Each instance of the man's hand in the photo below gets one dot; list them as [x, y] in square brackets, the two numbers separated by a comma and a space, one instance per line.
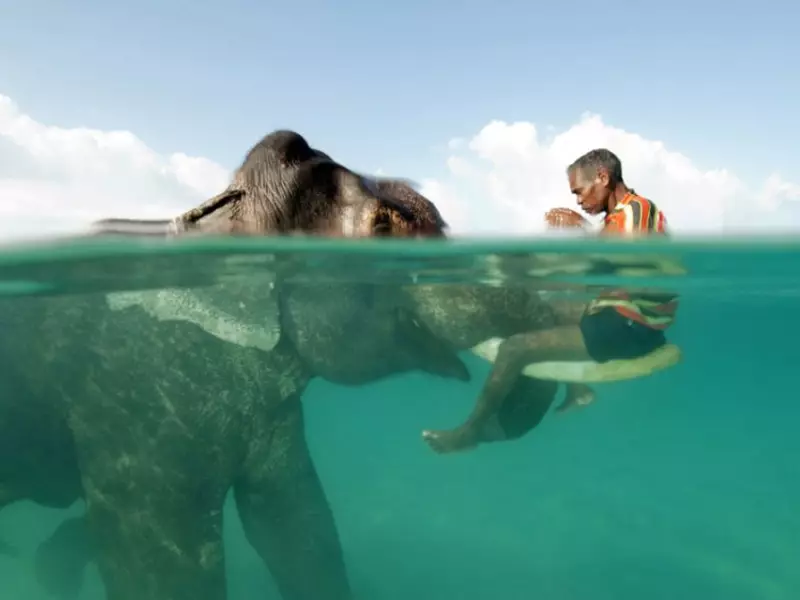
[565, 218]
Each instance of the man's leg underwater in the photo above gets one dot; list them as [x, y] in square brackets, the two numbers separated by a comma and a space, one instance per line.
[514, 354]
[570, 312]
[522, 410]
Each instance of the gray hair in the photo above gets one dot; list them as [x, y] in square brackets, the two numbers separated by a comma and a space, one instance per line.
[591, 162]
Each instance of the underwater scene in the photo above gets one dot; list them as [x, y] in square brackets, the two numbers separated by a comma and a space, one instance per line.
[247, 415]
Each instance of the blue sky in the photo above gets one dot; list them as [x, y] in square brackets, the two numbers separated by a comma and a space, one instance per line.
[400, 79]
[698, 101]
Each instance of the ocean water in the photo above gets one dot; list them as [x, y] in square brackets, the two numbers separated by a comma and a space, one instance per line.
[683, 484]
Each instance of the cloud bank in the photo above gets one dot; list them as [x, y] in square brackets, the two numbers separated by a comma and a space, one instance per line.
[56, 180]
[499, 181]
[504, 178]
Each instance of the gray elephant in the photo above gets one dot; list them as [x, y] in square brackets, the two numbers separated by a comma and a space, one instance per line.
[165, 419]
[153, 420]
[145, 404]
[285, 186]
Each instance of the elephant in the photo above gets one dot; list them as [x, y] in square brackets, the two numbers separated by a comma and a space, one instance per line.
[141, 406]
[138, 415]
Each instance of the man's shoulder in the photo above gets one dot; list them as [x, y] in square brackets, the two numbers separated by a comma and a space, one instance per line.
[636, 200]
[638, 213]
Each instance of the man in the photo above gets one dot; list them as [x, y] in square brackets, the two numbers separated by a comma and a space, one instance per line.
[596, 180]
[616, 325]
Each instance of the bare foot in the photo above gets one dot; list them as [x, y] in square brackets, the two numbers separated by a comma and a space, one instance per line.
[446, 442]
[578, 395]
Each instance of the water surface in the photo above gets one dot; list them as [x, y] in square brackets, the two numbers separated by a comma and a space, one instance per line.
[683, 484]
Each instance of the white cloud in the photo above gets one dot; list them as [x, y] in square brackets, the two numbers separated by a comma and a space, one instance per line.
[55, 180]
[500, 181]
[506, 177]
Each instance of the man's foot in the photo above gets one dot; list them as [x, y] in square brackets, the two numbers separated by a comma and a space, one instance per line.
[578, 395]
[453, 440]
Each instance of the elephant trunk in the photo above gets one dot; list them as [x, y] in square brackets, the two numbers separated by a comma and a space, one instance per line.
[134, 227]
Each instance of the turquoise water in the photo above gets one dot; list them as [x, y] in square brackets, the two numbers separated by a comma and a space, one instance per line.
[682, 484]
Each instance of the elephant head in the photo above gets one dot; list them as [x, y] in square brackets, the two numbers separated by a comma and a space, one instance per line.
[284, 186]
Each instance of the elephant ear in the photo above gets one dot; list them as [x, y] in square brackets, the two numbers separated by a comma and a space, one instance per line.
[214, 216]
[243, 312]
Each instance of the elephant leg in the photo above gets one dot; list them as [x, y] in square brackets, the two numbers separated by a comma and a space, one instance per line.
[154, 502]
[61, 560]
[7, 496]
[285, 514]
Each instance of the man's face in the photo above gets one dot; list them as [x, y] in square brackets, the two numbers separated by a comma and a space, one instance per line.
[591, 194]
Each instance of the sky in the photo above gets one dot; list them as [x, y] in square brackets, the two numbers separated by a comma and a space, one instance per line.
[143, 109]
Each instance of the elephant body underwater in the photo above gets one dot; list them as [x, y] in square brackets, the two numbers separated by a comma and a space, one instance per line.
[162, 419]
[152, 420]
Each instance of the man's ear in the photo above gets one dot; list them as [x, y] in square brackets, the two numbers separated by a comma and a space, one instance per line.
[602, 177]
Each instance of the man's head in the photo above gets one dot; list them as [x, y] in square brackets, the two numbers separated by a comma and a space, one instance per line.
[593, 178]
